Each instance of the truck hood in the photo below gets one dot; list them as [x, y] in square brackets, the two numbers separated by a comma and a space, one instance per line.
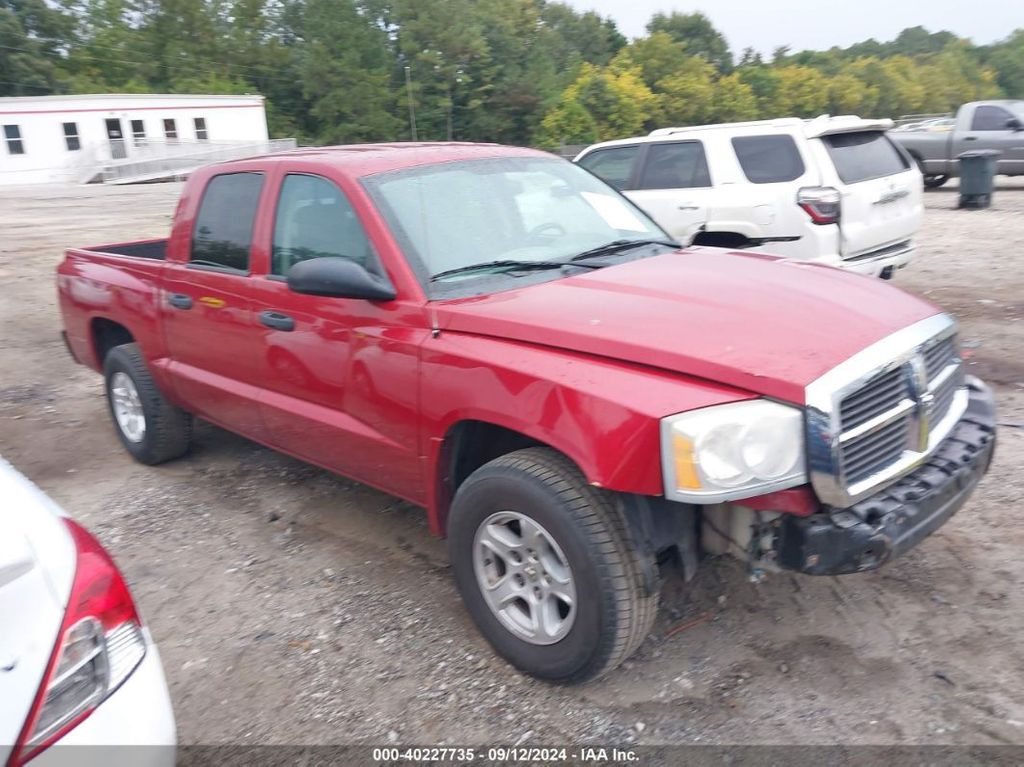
[757, 322]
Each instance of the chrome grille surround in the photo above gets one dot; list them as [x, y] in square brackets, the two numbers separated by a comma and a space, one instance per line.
[881, 413]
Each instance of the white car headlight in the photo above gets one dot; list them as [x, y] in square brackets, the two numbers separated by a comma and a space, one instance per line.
[732, 451]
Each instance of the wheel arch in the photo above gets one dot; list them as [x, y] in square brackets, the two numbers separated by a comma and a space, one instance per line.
[468, 444]
[723, 239]
[104, 335]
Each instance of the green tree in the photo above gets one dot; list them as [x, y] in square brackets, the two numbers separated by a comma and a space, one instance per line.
[764, 83]
[802, 92]
[614, 97]
[344, 69]
[443, 43]
[658, 55]
[849, 95]
[583, 36]
[517, 79]
[1007, 60]
[733, 100]
[686, 97]
[696, 31]
[568, 123]
[32, 33]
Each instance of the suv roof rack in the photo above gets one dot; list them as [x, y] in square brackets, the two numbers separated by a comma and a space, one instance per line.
[778, 122]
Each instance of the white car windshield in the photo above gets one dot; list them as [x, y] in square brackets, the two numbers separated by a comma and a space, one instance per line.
[452, 217]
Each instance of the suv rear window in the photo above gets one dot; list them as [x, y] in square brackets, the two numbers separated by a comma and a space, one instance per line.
[864, 155]
[614, 166]
[679, 165]
[768, 159]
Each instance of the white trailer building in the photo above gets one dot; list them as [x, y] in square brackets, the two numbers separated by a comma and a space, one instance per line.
[125, 137]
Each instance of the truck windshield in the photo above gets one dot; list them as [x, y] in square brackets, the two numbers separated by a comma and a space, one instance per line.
[530, 210]
[864, 155]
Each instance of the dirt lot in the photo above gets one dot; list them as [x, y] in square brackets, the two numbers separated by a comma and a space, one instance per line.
[292, 606]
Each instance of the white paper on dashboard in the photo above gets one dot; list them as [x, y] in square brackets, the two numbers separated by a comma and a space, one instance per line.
[615, 212]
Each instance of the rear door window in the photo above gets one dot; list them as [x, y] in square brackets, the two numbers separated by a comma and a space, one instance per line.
[614, 166]
[679, 165]
[768, 159]
[864, 155]
[223, 229]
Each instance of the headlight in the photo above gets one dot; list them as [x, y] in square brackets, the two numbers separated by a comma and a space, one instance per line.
[732, 451]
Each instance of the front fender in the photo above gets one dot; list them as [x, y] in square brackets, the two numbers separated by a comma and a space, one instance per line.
[601, 413]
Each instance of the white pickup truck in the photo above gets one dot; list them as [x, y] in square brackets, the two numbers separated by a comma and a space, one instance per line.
[834, 190]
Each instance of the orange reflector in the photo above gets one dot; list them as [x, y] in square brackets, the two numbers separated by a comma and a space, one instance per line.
[686, 469]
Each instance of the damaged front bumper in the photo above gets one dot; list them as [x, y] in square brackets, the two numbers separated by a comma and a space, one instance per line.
[885, 525]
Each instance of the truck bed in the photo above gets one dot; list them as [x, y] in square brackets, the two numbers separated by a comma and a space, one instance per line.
[152, 249]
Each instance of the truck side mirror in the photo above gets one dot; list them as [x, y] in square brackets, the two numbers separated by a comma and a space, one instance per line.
[338, 278]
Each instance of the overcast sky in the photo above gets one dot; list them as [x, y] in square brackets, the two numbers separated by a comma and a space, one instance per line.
[765, 24]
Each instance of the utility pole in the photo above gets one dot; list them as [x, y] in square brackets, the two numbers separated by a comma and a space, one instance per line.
[412, 107]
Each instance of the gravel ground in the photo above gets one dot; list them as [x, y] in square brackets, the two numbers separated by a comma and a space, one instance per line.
[291, 605]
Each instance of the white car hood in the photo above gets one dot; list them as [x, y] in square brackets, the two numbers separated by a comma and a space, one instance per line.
[37, 565]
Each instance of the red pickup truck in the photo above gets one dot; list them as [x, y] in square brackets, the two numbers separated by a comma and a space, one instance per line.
[500, 337]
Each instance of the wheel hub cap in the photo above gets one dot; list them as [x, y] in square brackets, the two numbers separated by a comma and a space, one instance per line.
[127, 406]
[524, 577]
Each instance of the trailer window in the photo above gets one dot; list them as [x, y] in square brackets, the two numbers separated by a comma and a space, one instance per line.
[864, 155]
[768, 159]
[223, 229]
[71, 137]
[12, 135]
[138, 132]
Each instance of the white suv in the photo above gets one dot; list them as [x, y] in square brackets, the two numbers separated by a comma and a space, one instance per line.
[834, 189]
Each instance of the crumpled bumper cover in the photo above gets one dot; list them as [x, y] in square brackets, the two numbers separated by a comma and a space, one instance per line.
[885, 525]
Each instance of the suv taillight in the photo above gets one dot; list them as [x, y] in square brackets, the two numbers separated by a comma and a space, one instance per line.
[821, 203]
[99, 645]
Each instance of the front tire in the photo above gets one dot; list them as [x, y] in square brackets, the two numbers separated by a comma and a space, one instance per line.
[150, 428]
[547, 568]
[934, 181]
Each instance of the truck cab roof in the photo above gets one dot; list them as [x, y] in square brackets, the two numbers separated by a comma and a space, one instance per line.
[368, 159]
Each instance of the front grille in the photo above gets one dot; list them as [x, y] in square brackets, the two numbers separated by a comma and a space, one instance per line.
[944, 392]
[865, 456]
[881, 393]
[879, 420]
[938, 356]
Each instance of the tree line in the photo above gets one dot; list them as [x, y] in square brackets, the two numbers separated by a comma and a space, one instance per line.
[514, 71]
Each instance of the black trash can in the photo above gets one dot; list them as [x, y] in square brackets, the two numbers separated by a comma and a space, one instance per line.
[977, 177]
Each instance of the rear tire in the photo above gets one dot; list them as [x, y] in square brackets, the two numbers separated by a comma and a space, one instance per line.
[585, 538]
[150, 428]
[932, 181]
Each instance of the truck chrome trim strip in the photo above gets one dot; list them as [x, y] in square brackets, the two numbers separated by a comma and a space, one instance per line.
[906, 349]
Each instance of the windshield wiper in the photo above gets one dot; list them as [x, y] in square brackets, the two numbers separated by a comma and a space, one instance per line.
[616, 246]
[507, 265]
